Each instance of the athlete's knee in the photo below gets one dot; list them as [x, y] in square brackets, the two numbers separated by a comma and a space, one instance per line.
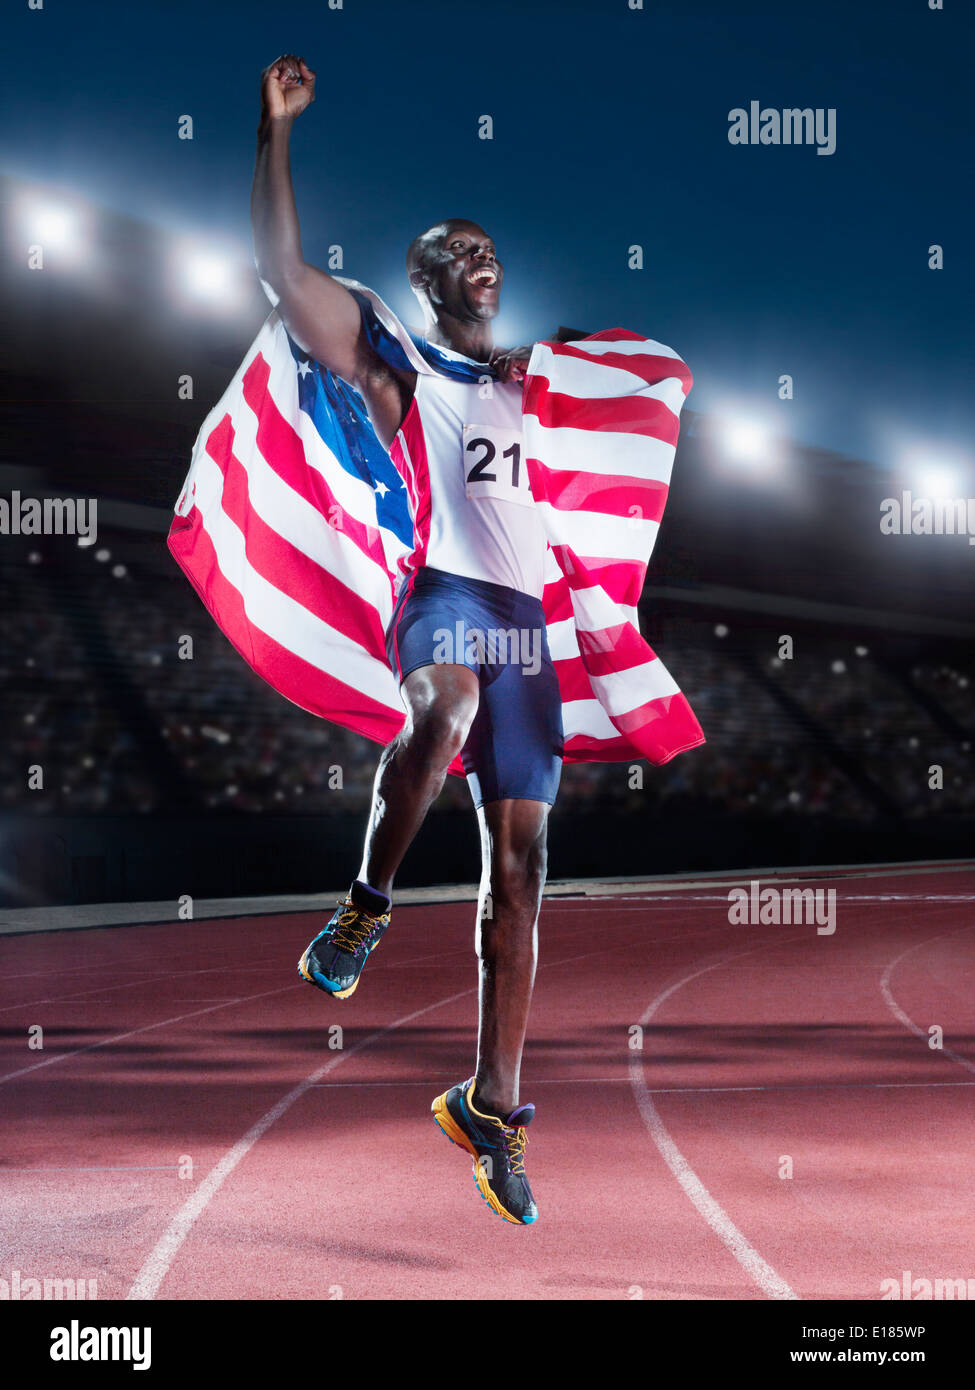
[518, 871]
[439, 730]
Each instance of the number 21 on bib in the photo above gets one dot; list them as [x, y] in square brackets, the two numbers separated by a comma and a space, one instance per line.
[494, 466]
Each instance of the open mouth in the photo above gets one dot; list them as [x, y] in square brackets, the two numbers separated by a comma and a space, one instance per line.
[483, 278]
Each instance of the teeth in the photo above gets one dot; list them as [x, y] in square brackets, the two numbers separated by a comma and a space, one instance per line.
[480, 277]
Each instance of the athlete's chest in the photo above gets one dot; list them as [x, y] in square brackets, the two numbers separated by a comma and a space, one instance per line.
[454, 404]
[473, 439]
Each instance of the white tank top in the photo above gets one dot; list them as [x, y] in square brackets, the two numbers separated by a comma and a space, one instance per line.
[459, 451]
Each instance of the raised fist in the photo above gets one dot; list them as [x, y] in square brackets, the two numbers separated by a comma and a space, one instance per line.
[287, 87]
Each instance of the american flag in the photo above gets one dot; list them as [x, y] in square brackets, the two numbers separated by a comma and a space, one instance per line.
[293, 524]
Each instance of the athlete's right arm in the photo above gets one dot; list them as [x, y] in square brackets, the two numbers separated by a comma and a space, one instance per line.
[319, 313]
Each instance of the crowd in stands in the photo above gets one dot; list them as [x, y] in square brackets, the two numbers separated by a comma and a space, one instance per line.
[824, 733]
[954, 689]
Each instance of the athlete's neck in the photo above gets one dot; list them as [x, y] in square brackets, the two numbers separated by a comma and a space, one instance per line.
[470, 339]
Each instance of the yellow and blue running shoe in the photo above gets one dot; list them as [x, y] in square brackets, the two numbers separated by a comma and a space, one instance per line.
[497, 1146]
[336, 957]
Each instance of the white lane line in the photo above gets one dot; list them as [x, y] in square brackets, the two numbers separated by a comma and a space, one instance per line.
[134, 1032]
[101, 1168]
[113, 968]
[157, 1264]
[758, 1269]
[130, 984]
[905, 1018]
[160, 1259]
[810, 873]
[248, 911]
[688, 899]
[677, 1090]
[810, 1086]
[120, 1037]
[271, 963]
[82, 995]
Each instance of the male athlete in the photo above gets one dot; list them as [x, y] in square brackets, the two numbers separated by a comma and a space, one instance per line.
[478, 559]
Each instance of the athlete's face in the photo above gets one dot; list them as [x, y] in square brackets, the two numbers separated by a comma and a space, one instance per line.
[463, 273]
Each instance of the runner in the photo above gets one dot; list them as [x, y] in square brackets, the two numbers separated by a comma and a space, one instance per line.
[467, 640]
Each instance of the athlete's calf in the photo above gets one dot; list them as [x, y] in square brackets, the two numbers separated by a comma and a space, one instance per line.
[441, 702]
[513, 849]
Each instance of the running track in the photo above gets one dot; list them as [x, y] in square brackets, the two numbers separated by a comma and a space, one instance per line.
[319, 1173]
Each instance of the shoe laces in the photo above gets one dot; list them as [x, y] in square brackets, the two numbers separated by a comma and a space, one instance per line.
[353, 928]
[515, 1139]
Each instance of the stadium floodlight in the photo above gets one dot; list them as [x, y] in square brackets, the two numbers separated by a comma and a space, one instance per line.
[56, 227]
[937, 481]
[745, 439]
[747, 442]
[208, 278]
[53, 225]
[934, 470]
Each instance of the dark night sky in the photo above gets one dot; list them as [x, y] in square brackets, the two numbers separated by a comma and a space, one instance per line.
[610, 128]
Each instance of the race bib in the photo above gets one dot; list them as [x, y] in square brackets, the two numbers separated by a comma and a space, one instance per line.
[494, 466]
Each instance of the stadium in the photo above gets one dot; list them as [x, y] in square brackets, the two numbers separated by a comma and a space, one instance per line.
[752, 1022]
[153, 756]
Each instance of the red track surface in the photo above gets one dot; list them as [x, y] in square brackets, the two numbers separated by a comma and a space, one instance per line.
[657, 1169]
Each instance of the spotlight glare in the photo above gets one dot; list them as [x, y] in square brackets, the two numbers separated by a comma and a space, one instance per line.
[937, 470]
[57, 228]
[936, 481]
[744, 439]
[748, 442]
[208, 278]
[50, 224]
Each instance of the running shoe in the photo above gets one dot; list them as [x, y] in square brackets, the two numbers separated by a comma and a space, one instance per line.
[497, 1147]
[335, 959]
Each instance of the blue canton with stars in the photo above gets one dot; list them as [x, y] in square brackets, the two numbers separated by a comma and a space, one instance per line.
[340, 417]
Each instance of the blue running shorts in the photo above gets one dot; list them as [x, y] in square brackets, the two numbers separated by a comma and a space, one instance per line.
[514, 747]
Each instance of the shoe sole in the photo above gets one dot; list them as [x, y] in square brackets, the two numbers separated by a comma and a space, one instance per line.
[449, 1126]
[334, 993]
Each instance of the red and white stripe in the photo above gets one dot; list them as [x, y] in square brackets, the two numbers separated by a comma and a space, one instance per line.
[409, 454]
[601, 420]
[284, 548]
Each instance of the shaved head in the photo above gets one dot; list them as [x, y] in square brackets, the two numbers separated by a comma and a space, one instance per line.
[423, 248]
[455, 273]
